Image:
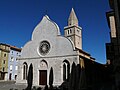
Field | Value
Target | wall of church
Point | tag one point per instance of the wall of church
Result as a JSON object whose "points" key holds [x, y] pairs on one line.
{"points": [[46, 64]]}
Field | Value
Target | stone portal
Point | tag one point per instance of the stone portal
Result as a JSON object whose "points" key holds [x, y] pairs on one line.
{"points": [[42, 77]]}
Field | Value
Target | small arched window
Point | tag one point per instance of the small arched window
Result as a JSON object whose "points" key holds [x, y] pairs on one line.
{"points": [[25, 67], [70, 31], [66, 70]]}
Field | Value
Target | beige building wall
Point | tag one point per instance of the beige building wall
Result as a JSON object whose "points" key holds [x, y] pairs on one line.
{"points": [[4, 54]]}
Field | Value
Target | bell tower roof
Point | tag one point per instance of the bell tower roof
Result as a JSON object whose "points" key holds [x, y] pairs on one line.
{"points": [[72, 20]]}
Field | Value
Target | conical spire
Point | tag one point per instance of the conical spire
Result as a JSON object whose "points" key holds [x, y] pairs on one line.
{"points": [[72, 18]]}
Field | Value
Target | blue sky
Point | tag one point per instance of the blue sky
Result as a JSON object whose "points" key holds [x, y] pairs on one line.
{"points": [[18, 19]]}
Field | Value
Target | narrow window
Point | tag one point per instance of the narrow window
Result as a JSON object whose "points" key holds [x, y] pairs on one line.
{"points": [[24, 71], [12, 52], [78, 31], [66, 70], [12, 59], [70, 31], [16, 67], [4, 55], [10, 76], [4, 62], [15, 77], [3, 69], [10, 67]]}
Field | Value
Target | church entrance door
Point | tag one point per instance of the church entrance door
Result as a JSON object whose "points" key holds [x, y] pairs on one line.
{"points": [[43, 77]]}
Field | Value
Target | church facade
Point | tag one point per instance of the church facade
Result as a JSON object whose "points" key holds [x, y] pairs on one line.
{"points": [[48, 48]]}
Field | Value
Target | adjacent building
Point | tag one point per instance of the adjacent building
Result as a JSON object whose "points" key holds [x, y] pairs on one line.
{"points": [[4, 54], [8, 61], [14, 54], [113, 48]]}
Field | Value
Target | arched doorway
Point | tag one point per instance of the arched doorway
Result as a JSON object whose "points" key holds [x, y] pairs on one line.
{"points": [[43, 73]]}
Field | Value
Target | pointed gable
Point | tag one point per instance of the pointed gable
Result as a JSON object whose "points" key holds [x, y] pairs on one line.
{"points": [[47, 31], [72, 18], [45, 28]]}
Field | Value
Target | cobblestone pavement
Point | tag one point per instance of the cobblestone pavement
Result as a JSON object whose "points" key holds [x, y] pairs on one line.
{"points": [[7, 85]]}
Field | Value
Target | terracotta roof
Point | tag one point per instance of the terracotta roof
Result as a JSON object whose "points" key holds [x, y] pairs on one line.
{"points": [[15, 48], [12, 47]]}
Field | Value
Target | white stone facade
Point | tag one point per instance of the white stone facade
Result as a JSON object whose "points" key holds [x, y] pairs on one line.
{"points": [[46, 49]]}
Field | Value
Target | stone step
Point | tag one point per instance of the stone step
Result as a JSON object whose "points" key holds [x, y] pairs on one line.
{"points": [[7, 82]]}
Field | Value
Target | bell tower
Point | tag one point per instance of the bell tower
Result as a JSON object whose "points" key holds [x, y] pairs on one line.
{"points": [[73, 31]]}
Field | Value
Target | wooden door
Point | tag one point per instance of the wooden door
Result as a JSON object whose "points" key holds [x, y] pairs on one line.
{"points": [[43, 77]]}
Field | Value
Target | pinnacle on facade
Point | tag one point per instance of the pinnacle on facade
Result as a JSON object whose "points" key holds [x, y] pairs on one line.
{"points": [[72, 19]]}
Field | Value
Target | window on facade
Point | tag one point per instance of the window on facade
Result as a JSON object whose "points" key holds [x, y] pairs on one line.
{"points": [[66, 70], [4, 62], [16, 67], [10, 76], [12, 59], [70, 31], [15, 77], [3, 69], [10, 67], [4, 55], [25, 71], [78, 31]]}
